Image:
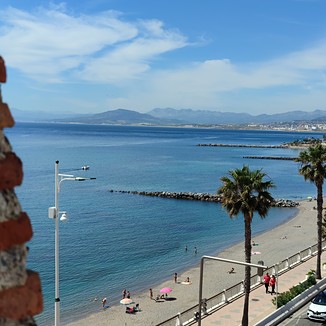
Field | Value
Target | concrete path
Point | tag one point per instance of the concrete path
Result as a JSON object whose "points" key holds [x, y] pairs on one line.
{"points": [[260, 305]]}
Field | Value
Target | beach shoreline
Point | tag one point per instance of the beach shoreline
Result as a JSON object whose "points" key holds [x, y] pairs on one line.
{"points": [[284, 240]]}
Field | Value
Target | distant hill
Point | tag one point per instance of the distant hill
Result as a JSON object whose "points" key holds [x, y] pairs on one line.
{"points": [[201, 116], [169, 116], [214, 117], [123, 117]]}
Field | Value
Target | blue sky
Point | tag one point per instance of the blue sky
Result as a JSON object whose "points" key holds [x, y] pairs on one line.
{"points": [[254, 56]]}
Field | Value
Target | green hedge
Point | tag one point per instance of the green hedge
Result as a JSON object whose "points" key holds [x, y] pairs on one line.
{"points": [[287, 296]]}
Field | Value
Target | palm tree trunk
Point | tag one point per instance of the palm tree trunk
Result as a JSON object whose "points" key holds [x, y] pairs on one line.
{"points": [[245, 315], [319, 228]]}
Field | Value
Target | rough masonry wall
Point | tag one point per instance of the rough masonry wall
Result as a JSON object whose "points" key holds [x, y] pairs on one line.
{"points": [[20, 289]]}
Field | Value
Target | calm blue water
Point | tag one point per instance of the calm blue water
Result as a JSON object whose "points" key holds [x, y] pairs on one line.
{"points": [[113, 240]]}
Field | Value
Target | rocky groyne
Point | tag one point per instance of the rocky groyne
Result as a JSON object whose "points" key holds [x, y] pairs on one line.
{"points": [[245, 145], [271, 158], [198, 196]]}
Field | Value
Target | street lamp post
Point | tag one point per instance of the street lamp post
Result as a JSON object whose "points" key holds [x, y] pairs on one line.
{"points": [[201, 277], [54, 213]]}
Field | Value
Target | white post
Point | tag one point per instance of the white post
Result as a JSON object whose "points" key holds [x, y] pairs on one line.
{"points": [[287, 264], [58, 179], [56, 244], [224, 296]]}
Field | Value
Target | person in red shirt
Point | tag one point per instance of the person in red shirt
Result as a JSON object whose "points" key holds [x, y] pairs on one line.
{"points": [[272, 283], [266, 280]]}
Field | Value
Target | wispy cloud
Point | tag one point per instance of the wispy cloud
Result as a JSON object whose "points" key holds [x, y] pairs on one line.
{"points": [[47, 43], [128, 60]]}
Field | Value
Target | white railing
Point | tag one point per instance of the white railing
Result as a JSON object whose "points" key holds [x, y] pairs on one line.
{"points": [[221, 299]]}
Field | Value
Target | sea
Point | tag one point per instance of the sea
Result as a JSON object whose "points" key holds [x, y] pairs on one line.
{"points": [[114, 240]]}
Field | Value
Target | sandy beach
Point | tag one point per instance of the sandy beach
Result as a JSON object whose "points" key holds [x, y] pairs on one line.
{"points": [[273, 246]]}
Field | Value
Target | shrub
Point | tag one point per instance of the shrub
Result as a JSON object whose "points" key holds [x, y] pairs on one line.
{"points": [[287, 296]]}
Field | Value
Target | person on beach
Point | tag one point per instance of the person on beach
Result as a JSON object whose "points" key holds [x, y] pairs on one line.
{"points": [[231, 270], [266, 280], [272, 283], [187, 280], [128, 295], [151, 294], [175, 277], [124, 293], [103, 302]]}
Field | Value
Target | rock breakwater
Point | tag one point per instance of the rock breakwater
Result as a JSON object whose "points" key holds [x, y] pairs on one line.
{"points": [[245, 145], [271, 158], [198, 196]]}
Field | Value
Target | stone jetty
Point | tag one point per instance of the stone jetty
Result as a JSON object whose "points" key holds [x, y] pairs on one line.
{"points": [[245, 145], [198, 196], [271, 158]]}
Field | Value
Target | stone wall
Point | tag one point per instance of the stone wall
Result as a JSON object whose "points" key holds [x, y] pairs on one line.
{"points": [[20, 289]]}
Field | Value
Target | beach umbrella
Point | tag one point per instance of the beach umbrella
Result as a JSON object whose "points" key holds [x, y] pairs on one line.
{"points": [[126, 301], [166, 290]]}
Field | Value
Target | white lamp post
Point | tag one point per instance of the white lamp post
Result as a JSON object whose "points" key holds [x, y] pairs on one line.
{"points": [[54, 213], [201, 277]]}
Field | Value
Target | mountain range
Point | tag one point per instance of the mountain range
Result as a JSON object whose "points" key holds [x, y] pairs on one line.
{"points": [[169, 116]]}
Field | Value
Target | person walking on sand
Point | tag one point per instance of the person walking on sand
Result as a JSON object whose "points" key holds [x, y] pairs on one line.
{"points": [[266, 280], [175, 277], [272, 283], [151, 294], [231, 271]]}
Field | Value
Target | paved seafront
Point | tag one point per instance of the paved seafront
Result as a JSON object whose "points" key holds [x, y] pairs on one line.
{"points": [[260, 304]]}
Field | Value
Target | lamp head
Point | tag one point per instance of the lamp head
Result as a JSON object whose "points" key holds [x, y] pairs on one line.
{"points": [[64, 217]]}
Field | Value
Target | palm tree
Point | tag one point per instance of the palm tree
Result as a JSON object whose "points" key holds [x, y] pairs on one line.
{"points": [[245, 192], [313, 169]]}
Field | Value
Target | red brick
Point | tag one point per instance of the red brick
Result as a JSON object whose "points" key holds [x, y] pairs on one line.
{"points": [[22, 301], [6, 119], [11, 172], [3, 74], [15, 232]]}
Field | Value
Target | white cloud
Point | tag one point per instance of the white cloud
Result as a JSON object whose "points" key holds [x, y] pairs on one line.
{"points": [[128, 60], [47, 43]]}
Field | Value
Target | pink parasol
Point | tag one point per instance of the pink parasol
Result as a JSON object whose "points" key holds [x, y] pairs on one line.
{"points": [[166, 290]]}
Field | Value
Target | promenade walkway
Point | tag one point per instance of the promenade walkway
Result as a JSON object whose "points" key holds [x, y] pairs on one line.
{"points": [[260, 305]]}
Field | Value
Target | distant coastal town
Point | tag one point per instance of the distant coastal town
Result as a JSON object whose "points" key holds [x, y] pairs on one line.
{"points": [[277, 126], [287, 126]]}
